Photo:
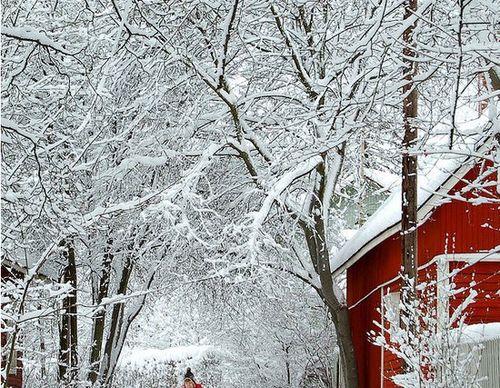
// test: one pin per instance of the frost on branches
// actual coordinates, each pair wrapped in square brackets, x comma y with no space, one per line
[443,351]
[179,173]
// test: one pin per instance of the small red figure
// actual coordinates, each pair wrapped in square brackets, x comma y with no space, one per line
[189,381]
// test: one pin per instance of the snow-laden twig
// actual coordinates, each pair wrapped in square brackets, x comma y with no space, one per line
[282,184]
[33,35]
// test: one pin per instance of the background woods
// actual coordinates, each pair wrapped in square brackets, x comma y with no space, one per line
[182,174]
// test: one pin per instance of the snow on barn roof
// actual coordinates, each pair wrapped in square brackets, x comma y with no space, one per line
[438,173]
[386,180]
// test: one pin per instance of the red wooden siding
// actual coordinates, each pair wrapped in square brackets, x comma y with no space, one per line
[486,276]
[456,226]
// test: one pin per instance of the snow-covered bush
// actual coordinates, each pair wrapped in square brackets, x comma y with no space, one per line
[151,368]
[443,350]
[319,375]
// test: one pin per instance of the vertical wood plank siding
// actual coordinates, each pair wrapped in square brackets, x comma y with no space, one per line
[455,226]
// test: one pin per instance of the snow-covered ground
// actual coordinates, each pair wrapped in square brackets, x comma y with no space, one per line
[141,357]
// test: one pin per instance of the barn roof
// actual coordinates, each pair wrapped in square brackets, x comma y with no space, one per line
[438,174]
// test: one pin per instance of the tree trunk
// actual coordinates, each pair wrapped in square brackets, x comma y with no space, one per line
[116,322]
[344,340]
[494,79]
[68,335]
[124,327]
[319,254]
[409,199]
[286,349]
[100,316]
[124,322]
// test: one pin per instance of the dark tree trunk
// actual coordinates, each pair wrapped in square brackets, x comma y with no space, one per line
[409,199]
[286,349]
[344,340]
[319,254]
[125,322]
[494,78]
[68,335]
[338,311]
[116,323]
[100,316]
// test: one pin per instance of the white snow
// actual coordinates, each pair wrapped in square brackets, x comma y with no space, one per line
[385,179]
[31,34]
[13,126]
[434,170]
[349,233]
[275,192]
[477,333]
[140,357]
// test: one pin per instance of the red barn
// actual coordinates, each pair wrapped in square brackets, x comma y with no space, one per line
[456,221]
